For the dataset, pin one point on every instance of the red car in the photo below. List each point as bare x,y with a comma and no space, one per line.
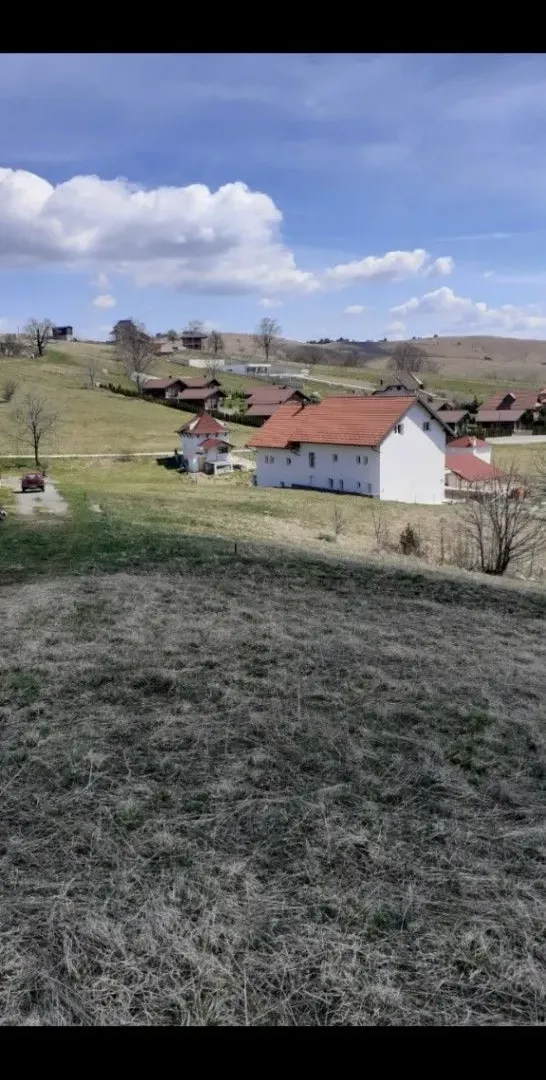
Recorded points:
32,481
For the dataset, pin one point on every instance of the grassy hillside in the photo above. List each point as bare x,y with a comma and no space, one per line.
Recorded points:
249,788
91,421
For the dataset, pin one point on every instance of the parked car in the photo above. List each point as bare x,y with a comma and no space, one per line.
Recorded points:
33,481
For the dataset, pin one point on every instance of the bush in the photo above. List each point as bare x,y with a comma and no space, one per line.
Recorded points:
410,541
9,389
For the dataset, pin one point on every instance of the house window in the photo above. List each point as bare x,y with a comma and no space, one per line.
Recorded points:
289,461
426,425
364,460
266,459
282,483
330,483
358,483
369,488
271,459
358,459
399,429
334,457
340,485
311,460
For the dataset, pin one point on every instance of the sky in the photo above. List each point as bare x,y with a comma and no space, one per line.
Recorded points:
355,195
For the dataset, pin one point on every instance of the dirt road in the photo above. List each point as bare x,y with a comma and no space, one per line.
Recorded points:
48,501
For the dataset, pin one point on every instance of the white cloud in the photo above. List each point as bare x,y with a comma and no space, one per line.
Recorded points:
354,309
473,313
266,302
393,266
104,301
186,237
396,330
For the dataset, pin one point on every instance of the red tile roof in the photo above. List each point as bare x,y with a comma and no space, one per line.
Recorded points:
200,394
271,395
262,410
202,425
499,416
341,421
523,399
466,441
472,468
213,444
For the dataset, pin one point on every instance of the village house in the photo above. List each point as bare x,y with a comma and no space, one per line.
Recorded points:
203,393
263,401
193,339
204,445
469,468
386,447
507,408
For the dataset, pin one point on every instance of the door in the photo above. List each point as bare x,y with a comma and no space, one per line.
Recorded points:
340,485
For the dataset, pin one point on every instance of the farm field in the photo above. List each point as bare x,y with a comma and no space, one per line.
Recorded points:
240,788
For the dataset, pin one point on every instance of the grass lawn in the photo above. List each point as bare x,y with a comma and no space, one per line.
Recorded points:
91,421
526,458
264,789
461,388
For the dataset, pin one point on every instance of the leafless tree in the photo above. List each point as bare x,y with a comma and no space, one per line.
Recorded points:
379,525
134,349
40,331
505,525
215,343
9,390
91,367
10,345
406,357
172,335
266,335
338,521
195,326
35,420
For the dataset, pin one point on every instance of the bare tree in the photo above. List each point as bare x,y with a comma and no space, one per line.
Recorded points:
266,335
406,357
9,390
505,525
195,326
379,525
10,345
134,349
91,367
35,420
40,331
215,343
171,335
338,521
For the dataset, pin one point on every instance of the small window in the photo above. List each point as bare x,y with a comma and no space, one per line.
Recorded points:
364,460
399,429
330,483
289,461
358,483
369,488
334,457
426,425
266,459
311,460
271,460
358,459
282,483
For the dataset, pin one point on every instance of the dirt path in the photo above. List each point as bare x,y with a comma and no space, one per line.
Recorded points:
26,504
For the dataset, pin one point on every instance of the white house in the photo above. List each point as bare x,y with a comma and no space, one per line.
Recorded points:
388,447
204,445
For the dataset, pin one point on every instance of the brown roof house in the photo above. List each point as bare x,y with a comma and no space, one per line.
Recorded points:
506,409
203,393
205,445
388,447
265,400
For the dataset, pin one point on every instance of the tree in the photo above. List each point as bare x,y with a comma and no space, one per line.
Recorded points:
195,326
406,357
9,390
505,525
266,335
35,420
40,331
215,343
171,335
134,349
91,366
10,345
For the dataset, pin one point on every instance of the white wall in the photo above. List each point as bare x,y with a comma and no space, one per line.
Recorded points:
413,463
355,476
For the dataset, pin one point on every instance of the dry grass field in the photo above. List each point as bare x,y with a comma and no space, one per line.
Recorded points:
268,790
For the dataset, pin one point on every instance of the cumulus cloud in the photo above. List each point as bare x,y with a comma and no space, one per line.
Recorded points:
267,302
354,309
104,301
396,330
473,313
393,266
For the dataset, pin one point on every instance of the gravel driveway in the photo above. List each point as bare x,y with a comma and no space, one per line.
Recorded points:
49,500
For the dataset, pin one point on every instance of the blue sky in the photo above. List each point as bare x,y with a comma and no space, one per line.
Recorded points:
360,195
